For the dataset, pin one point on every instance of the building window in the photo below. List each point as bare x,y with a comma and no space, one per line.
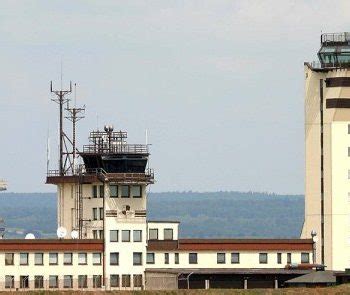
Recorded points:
113,191
166,258
68,258
97,281
9,282
153,234
168,234
150,258
101,213
192,258
234,258
24,282
137,235
94,191
221,258
82,281
126,281
23,258
53,281
136,191
177,258
348,174
113,235
305,258
82,258
114,281
101,234
9,259
114,258
125,236
289,258
102,191
53,258
94,213
95,234
125,191
137,281
137,258
38,282
68,281
263,258
96,258
38,258
279,258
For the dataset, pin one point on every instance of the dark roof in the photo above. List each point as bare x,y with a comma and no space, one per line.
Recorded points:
163,221
231,244
315,277
227,270
51,244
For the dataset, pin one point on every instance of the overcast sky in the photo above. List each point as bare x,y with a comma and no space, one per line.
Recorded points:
218,84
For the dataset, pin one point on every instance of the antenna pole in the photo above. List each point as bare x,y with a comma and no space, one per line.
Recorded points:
61,100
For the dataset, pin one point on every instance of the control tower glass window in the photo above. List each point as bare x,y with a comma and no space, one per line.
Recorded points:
136,191
125,191
113,191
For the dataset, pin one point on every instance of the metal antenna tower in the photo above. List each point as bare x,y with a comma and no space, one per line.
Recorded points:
74,115
61,100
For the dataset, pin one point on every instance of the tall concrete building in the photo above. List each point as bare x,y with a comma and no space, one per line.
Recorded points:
327,151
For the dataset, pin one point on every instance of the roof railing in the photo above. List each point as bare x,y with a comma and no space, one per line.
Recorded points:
116,149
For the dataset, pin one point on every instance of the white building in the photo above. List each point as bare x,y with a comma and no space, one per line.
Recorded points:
327,148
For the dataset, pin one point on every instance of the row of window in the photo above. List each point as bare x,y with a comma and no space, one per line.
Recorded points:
53,258
168,234
137,235
53,281
116,191
114,258
221,258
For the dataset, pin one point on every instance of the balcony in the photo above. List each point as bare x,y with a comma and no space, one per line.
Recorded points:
116,149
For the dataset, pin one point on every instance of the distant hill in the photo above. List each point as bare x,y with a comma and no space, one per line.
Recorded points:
202,215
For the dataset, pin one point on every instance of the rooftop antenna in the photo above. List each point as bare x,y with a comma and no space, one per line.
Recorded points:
61,99
74,115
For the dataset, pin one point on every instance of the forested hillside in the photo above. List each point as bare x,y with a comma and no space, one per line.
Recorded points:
214,214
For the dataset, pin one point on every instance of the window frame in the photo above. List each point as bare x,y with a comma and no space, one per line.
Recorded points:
65,254
26,259
137,280
101,191
133,235
129,234
307,255
139,190
39,282
192,255
94,255
94,213
139,257
80,255
12,259
51,255
114,278
289,258
36,255
263,255
11,279
148,255
82,281
116,254
55,277
238,256
65,279
101,213
122,192
176,258
149,234
24,282
166,258
114,231
279,258
97,281
117,191
172,234
126,279
219,257
94,191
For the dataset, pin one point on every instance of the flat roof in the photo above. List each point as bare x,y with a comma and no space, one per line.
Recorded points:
51,244
163,221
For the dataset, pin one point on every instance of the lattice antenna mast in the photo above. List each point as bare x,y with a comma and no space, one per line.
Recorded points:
61,100
74,115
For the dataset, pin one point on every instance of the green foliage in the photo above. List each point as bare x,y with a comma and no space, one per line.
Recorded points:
202,215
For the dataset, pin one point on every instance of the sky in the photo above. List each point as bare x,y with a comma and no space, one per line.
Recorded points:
217,84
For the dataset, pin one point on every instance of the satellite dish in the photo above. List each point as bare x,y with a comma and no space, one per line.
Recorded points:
74,234
30,236
61,232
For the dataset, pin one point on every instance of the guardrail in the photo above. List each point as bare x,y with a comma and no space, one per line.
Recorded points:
116,149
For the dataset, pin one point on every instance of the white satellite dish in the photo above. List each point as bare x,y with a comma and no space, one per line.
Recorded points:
30,236
74,234
61,232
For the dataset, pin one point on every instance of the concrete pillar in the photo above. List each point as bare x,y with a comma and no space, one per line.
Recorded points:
207,284
245,284
276,284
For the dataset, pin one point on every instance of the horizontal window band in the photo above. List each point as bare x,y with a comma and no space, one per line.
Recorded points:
341,103
338,82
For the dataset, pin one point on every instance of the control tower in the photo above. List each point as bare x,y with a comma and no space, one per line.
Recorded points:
327,151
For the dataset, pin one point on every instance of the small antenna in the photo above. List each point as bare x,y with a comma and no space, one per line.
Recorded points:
146,136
